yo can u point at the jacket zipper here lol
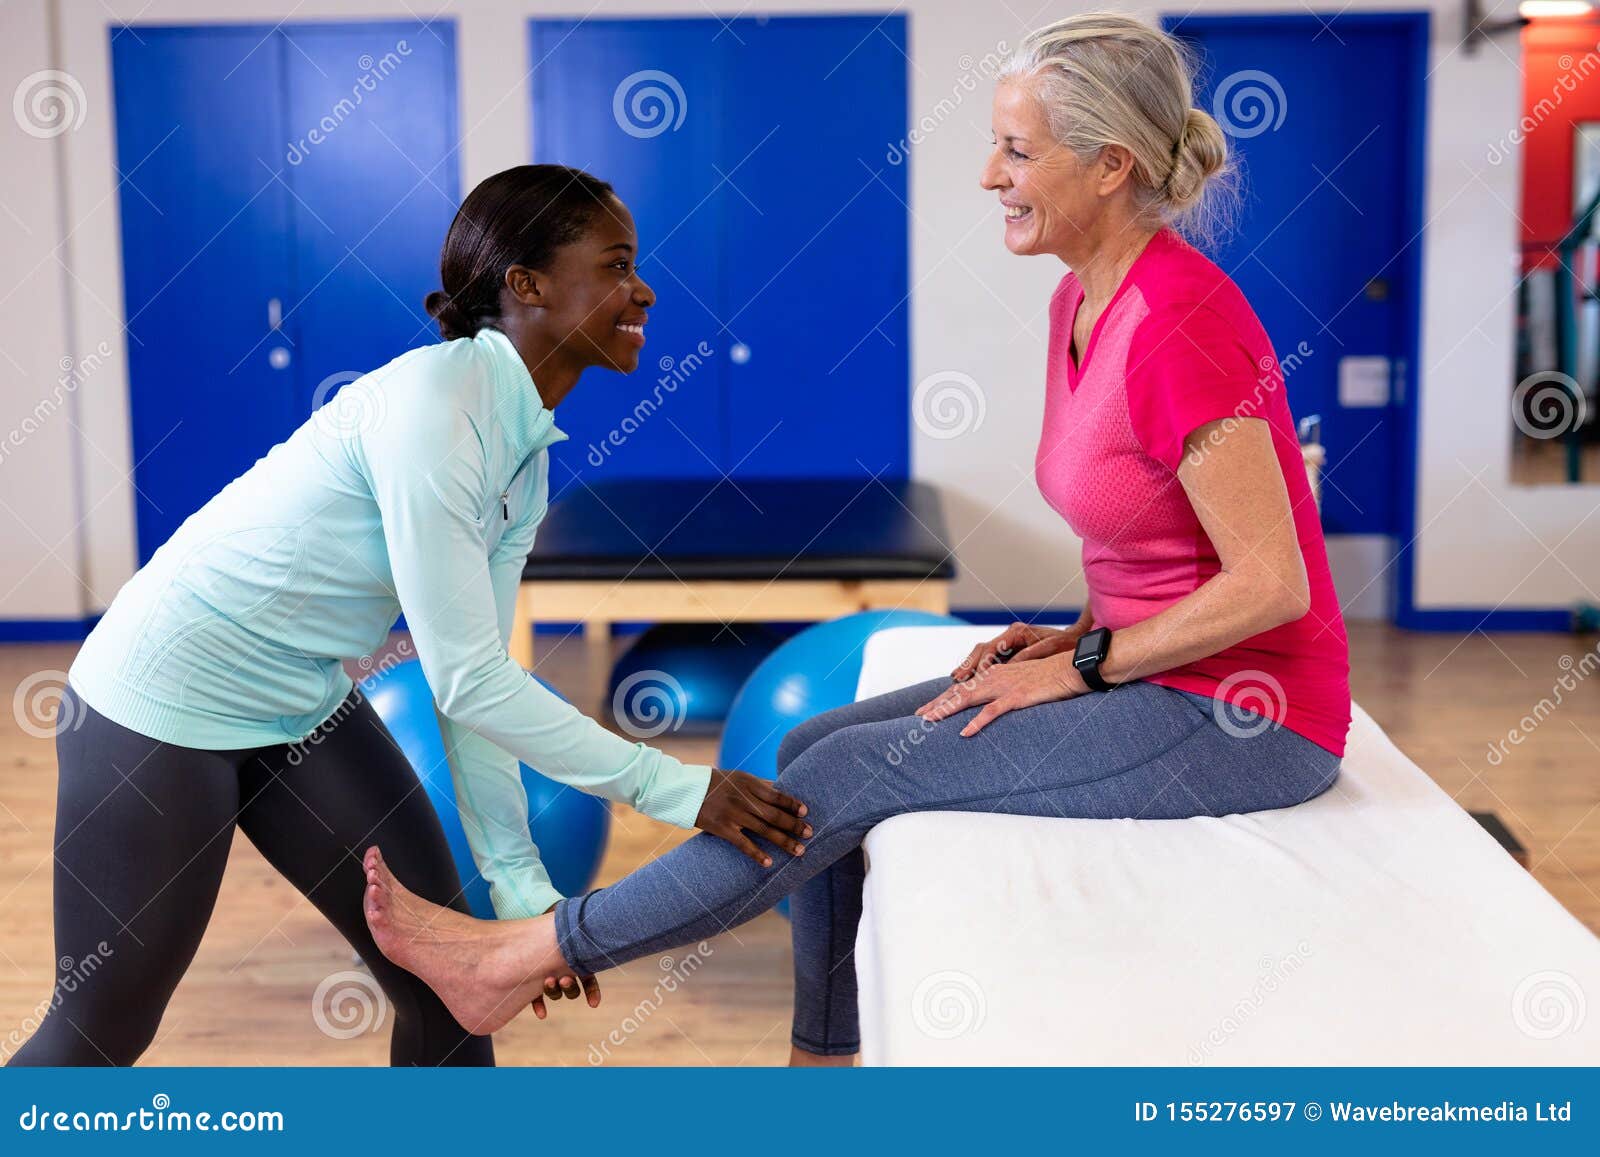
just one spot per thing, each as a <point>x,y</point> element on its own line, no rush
<point>505,509</point>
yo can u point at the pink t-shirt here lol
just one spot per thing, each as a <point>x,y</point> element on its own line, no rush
<point>1179,347</point>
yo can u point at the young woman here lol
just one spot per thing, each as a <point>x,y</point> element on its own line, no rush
<point>211,695</point>
<point>1209,673</point>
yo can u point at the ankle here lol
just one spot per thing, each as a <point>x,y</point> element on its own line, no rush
<point>799,1058</point>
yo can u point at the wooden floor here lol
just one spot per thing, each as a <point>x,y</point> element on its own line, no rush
<point>1543,463</point>
<point>248,998</point>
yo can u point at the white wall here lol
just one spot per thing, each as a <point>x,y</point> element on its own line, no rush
<point>975,309</point>
<point>40,549</point>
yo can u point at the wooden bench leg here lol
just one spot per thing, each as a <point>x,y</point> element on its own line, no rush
<point>521,646</point>
<point>597,639</point>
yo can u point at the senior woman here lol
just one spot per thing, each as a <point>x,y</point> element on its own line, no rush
<point>1209,673</point>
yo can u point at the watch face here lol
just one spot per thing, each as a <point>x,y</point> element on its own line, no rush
<point>1092,647</point>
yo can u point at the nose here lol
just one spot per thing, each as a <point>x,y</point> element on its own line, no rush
<point>643,295</point>
<point>993,175</point>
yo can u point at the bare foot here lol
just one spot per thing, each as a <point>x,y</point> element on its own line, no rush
<point>800,1059</point>
<point>485,971</point>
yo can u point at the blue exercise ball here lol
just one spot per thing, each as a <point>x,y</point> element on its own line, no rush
<point>813,672</point>
<point>683,676</point>
<point>569,826</point>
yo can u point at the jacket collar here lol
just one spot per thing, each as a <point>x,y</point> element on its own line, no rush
<point>518,410</point>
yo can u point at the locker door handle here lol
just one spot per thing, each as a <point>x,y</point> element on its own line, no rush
<point>274,313</point>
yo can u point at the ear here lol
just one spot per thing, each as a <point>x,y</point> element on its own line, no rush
<point>528,286</point>
<point>1114,169</point>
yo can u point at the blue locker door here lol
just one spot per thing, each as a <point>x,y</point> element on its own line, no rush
<point>816,247</point>
<point>374,171</point>
<point>1326,115</point>
<point>205,237</point>
<point>638,103</point>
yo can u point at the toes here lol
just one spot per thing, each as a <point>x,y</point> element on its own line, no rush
<point>376,912</point>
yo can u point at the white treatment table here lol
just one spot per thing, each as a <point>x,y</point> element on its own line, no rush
<point>1375,925</point>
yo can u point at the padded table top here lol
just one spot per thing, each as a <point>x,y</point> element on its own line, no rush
<point>706,529</point>
<point>1377,924</point>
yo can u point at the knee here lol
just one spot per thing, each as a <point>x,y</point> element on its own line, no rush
<point>800,737</point>
<point>76,1035</point>
<point>803,736</point>
<point>831,775</point>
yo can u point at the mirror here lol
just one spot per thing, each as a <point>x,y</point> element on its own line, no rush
<point>1554,414</point>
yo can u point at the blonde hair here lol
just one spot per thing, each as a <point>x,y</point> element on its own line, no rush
<point>1108,79</point>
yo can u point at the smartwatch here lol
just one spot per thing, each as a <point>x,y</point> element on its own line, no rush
<point>1091,652</point>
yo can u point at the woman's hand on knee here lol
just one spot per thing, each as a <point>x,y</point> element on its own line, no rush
<point>1000,689</point>
<point>737,803</point>
<point>1018,641</point>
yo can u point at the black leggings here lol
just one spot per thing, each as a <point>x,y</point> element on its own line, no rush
<point>142,836</point>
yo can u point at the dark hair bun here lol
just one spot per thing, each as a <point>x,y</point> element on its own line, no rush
<point>453,321</point>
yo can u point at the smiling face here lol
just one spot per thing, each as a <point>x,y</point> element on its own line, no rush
<point>1051,198</point>
<point>596,302</point>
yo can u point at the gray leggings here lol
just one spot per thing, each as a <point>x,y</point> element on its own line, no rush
<point>142,836</point>
<point>1139,751</point>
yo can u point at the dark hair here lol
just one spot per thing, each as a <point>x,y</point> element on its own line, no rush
<point>518,217</point>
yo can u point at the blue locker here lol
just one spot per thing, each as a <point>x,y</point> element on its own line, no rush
<point>374,198</point>
<point>816,248</point>
<point>752,153</point>
<point>199,124</point>
<point>285,192</point>
<point>1326,243</point>
<point>666,419</point>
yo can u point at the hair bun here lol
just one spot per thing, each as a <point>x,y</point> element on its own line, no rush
<point>1200,153</point>
<point>453,320</point>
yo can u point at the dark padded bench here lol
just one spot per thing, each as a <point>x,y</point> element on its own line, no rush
<point>713,550</point>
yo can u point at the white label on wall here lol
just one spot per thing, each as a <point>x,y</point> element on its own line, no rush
<point>1364,381</point>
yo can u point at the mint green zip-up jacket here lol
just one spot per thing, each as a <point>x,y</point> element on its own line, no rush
<point>418,488</point>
